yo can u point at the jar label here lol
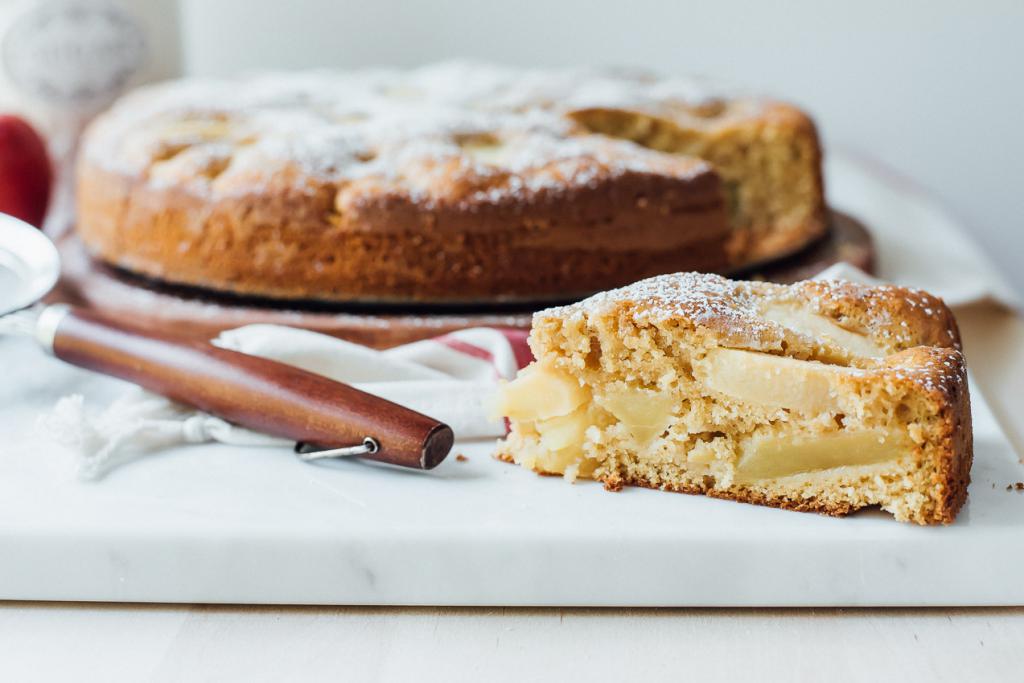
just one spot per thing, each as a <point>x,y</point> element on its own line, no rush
<point>73,51</point>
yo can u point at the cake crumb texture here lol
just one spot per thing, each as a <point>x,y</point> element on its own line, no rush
<point>819,396</point>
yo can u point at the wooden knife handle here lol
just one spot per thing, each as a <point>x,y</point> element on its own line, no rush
<point>253,392</point>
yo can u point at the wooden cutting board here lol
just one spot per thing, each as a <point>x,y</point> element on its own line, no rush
<point>203,314</point>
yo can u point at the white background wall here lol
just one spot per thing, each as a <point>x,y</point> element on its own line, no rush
<point>933,88</point>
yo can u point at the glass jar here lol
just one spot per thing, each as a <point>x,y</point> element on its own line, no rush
<point>63,61</point>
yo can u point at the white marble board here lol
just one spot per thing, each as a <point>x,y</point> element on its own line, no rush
<point>232,525</point>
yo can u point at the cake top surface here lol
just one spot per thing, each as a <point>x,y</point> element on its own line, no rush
<point>498,128</point>
<point>773,317</point>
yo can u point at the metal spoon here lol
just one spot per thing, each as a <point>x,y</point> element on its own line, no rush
<point>324,417</point>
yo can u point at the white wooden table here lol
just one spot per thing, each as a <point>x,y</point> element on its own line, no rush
<point>58,641</point>
<point>130,643</point>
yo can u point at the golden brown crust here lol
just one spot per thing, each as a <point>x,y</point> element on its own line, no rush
<point>955,441</point>
<point>904,316</point>
<point>401,187</point>
<point>616,482</point>
<point>297,246</point>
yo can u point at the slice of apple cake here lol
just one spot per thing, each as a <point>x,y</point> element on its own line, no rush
<point>818,396</point>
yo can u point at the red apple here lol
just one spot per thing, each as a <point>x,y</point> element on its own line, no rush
<point>25,173</point>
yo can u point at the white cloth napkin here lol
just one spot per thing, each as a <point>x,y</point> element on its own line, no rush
<point>918,241</point>
<point>451,378</point>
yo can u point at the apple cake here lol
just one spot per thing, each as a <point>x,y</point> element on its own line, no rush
<point>819,396</point>
<point>447,183</point>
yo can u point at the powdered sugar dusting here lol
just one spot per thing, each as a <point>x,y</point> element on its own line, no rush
<point>393,125</point>
<point>695,296</point>
<point>896,318</point>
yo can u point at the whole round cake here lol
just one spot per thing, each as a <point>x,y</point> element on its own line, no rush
<point>454,183</point>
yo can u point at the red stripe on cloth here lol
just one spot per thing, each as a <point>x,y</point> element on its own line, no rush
<point>520,348</point>
<point>466,348</point>
<point>517,341</point>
